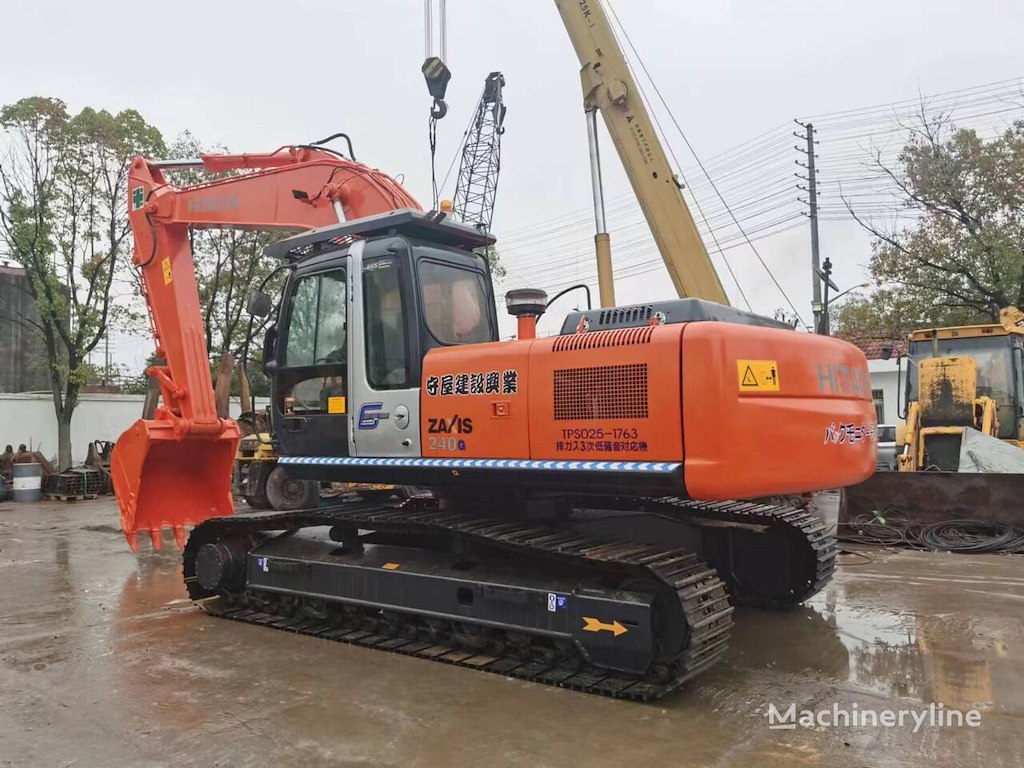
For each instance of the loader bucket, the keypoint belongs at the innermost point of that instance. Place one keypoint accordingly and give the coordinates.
(166, 480)
(921, 498)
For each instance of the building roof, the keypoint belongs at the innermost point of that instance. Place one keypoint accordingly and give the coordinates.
(873, 349)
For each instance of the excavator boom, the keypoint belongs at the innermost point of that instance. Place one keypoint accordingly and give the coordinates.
(175, 470)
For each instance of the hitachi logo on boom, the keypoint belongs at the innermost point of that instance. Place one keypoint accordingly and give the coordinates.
(213, 203)
(836, 379)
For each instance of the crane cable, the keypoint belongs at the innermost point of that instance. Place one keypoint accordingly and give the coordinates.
(432, 138)
(700, 164)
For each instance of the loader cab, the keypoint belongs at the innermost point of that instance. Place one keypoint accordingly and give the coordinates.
(998, 357)
(364, 302)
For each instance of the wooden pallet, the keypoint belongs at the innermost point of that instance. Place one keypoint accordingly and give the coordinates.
(70, 497)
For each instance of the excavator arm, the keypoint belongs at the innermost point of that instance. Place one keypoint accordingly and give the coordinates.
(175, 470)
(608, 86)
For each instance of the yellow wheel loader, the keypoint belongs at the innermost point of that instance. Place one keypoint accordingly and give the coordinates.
(958, 378)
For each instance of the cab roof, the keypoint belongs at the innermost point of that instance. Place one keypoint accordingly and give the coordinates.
(431, 226)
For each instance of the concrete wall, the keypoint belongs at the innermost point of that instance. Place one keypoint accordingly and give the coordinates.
(884, 377)
(29, 419)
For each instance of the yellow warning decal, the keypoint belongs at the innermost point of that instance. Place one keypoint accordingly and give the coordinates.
(166, 265)
(758, 375)
(591, 624)
(336, 404)
(391, 566)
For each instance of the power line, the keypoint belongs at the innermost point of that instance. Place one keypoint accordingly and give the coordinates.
(703, 169)
(757, 173)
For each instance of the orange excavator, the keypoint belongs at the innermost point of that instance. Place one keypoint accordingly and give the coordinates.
(576, 527)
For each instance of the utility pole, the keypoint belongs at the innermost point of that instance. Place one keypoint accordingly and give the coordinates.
(812, 202)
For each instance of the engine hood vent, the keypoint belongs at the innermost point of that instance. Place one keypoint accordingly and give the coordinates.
(672, 311)
(599, 339)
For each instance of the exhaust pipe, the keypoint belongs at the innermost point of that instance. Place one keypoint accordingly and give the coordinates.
(526, 305)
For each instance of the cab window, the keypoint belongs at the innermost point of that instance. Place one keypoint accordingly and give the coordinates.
(316, 328)
(387, 354)
(454, 303)
(315, 350)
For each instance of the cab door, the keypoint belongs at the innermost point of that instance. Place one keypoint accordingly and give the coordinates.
(385, 367)
(310, 404)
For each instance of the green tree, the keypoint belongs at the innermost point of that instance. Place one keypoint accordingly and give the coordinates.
(493, 256)
(962, 258)
(63, 217)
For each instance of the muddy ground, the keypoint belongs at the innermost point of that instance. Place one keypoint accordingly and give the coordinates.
(103, 662)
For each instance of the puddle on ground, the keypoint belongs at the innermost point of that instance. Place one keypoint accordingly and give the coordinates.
(960, 661)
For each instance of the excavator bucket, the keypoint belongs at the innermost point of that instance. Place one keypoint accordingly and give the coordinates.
(166, 480)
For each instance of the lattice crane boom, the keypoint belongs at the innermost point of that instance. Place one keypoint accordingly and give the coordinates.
(480, 164)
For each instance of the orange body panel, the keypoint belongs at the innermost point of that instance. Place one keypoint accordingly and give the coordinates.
(466, 418)
(610, 395)
(816, 431)
(800, 419)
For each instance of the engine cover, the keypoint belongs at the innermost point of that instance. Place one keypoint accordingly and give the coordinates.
(748, 410)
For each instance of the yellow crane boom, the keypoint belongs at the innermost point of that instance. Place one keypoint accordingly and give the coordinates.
(608, 86)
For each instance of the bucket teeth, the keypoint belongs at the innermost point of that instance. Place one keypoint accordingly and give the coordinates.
(133, 541)
(179, 536)
(156, 537)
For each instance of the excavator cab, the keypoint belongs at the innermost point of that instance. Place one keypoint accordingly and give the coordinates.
(363, 304)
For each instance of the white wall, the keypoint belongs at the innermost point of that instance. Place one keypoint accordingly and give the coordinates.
(29, 419)
(884, 377)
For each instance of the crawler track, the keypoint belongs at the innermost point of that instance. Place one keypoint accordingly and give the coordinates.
(744, 562)
(695, 610)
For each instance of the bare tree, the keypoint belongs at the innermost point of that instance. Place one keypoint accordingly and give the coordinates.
(962, 258)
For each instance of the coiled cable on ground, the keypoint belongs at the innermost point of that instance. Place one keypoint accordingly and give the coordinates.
(888, 528)
(971, 536)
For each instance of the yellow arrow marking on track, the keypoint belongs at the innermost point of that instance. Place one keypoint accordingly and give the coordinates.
(596, 625)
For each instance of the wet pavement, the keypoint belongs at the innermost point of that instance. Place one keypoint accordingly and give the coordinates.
(103, 662)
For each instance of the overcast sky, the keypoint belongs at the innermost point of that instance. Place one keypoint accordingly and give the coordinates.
(254, 75)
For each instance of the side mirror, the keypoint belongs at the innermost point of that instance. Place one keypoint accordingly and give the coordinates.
(259, 304)
(887, 351)
(270, 350)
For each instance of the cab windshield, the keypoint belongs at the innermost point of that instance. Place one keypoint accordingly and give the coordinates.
(454, 303)
(994, 356)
